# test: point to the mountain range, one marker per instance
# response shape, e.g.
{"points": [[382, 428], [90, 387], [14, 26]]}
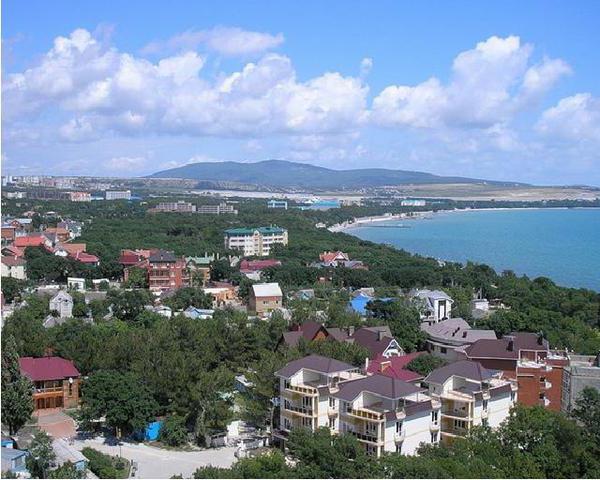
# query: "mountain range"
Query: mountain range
{"points": [[284, 174]]}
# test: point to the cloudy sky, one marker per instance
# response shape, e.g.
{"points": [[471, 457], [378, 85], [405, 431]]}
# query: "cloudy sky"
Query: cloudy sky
{"points": [[509, 91]]}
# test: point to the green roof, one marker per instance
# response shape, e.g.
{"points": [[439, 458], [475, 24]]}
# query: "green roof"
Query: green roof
{"points": [[250, 231]]}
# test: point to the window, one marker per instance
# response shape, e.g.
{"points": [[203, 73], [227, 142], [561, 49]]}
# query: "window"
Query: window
{"points": [[332, 423], [460, 424], [331, 402], [512, 396], [434, 437], [542, 395], [484, 422], [70, 389], [485, 404], [398, 448], [307, 422], [443, 350], [542, 379], [434, 417], [287, 424], [371, 450], [398, 427]]}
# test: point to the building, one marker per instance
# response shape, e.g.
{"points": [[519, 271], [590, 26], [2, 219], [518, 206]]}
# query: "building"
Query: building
{"points": [[253, 268], [387, 415], [526, 357], [13, 461], [32, 241], [379, 341], [434, 305], [80, 196], [74, 228], [14, 267], [255, 241], [583, 371], [333, 259], [277, 204], [470, 395], [117, 195], [413, 202], [64, 453], [198, 313], [311, 331], [166, 271], [76, 283], [84, 257], [446, 338], [394, 366], [222, 295], [306, 388], [8, 234], [62, 303], [219, 209], [180, 207], [265, 297], [56, 381], [60, 234]]}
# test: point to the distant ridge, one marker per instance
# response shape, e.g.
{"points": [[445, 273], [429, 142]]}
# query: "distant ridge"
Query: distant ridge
{"points": [[282, 174]]}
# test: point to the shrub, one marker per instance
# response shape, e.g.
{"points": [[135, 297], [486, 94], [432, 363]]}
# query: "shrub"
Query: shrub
{"points": [[173, 431]]}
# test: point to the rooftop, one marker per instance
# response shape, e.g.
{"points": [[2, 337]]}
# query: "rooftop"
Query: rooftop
{"points": [[267, 290], [464, 369], [381, 385], [47, 368], [316, 363]]}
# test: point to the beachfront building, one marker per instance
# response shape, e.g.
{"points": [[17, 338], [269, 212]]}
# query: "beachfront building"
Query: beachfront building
{"points": [[447, 339], [434, 305], [470, 395], [255, 241]]}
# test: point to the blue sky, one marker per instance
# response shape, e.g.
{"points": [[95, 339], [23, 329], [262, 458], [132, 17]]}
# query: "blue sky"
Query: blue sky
{"points": [[504, 90]]}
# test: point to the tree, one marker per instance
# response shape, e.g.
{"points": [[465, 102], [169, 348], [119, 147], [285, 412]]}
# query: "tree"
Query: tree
{"points": [[188, 296], [122, 398], [66, 470], [136, 278], [220, 269], [425, 364], [128, 304], [173, 431], [12, 288], [41, 455], [587, 411], [17, 397], [403, 320]]}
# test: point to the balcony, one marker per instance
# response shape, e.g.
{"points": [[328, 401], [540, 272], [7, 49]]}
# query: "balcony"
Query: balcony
{"points": [[450, 412], [434, 427], [365, 414], [49, 390], [304, 390], [364, 437], [455, 432], [306, 411], [332, 411]]}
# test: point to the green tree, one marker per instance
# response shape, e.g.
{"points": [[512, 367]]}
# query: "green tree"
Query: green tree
{"points": [[66, 470], [136, 278], [188, 296], [587, 411], [128, 304], [173, 431], [122, 398], [12, 288], [220, 270], [403, 320], [17, 399], [425, 364], [41, 455]]}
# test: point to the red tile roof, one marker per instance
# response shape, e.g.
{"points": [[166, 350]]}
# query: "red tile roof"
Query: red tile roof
{"points": [[84, 257], [14, 251], [331, 256], [29, 241], [394, 367], [13, 261], [256, 265], [47, 368]]}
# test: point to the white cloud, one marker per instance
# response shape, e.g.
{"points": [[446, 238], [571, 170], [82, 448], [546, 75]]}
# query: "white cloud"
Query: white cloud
{"points": [[488, 85], [573, 118], [229, 41], [366, 64], [126, 164]]}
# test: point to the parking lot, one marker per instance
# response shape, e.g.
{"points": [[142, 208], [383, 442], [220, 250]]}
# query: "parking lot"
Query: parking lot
{"points": [[155, 462]]}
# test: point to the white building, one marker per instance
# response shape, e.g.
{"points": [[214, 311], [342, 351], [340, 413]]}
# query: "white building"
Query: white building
{"points": [[434, 305], [75, 283], [470, 395], [62, 302], [413, 203], [447, 338], [118, 195], [14, 267], [384, 414], [255, 241]]}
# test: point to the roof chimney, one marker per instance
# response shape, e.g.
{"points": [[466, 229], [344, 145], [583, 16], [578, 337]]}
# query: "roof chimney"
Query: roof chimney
{"points": [[511, 345], [379, 335], [540, 338], [366, 364]]}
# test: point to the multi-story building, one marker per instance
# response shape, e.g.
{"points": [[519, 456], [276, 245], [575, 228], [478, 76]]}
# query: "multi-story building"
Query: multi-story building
{"points": [[526, 357], [62, 303], [80, 196], [180, 206], [14, 267], [434, 305], [470, 395], [583, 371], [387, 415], [166, 271], [255, 241], [413, 203], [384, 414], [277, 204], [55, 379], [220, 209], [117, 195], [264, 298]]}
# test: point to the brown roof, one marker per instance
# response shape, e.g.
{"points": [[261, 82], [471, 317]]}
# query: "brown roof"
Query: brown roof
{"points": [[368, 337], [502, 347], [382, 385], [316, 363], [464, 368], [308, 331], [13, 261]]}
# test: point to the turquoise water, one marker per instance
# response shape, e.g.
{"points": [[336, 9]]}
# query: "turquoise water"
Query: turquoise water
{"points": [[562, 244]]}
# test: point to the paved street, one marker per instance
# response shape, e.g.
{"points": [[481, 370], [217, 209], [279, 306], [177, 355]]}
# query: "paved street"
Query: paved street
{"points": [[158, 463]]}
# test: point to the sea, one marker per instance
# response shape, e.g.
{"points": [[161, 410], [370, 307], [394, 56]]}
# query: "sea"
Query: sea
{"points": [[561, 244]]}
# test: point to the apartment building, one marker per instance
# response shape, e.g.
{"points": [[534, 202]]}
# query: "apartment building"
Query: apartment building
{"points": [[219, 209], [526, 357], [166, 271], [470, 395], [255, 241], [180, 207], [117, 195], [383, 413], [306, 389], [387, 415]]}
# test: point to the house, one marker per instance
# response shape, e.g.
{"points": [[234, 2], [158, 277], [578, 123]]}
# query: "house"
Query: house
{"points": [[13, 461], [583, 371], [86, 258], [480, 308], [162, 310], [378, 340], [222, 295], [166, 271], [199, 268], [446, 338], [61, 234], [434, 305], [277, 204], [198, 313], [306, 388], [258, 265], [55, 379], [62, 303], [304, 294], [470, 395], [14, 267], [265, 297], [75, 283], [255, 241], [387, 415], [66, 249], [12, 251], [526, 357], [333, 259], [394, 366], [311, 331], [64, 453], [32, 241], [8, 234], [74, 228]]}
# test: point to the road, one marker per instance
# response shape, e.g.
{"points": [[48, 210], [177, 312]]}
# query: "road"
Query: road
{"points": [[159, 463]]}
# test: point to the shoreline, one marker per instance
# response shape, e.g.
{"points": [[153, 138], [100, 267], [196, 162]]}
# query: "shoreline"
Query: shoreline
{"points": [[365, 221]]}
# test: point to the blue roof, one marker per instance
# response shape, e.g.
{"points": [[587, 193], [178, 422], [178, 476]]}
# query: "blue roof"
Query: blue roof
{"points": [[359, 303], [12, 453]]}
